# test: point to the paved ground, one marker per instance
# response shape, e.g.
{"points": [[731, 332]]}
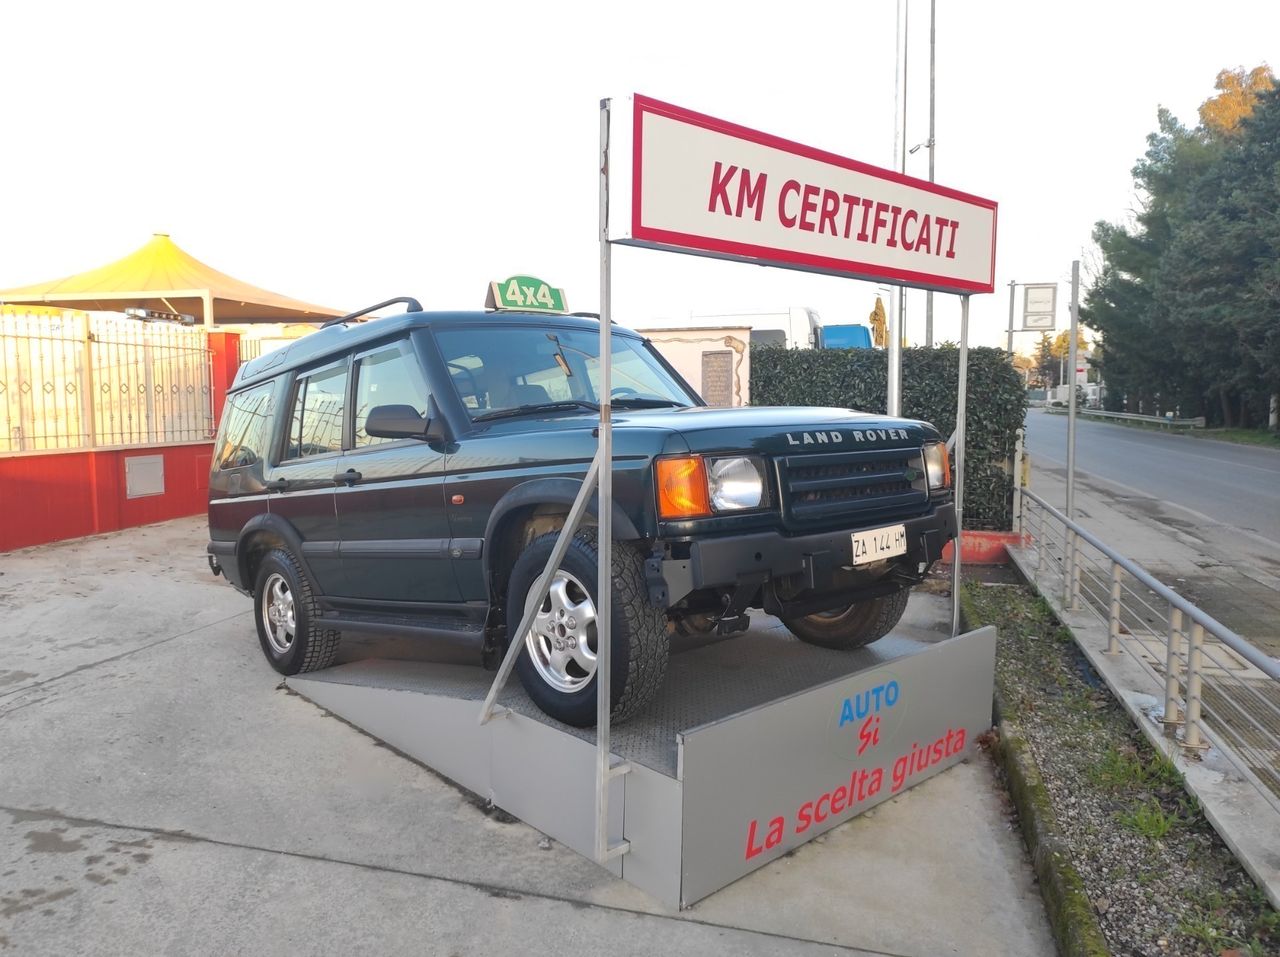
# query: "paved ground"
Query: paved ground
{"points": [[161, 794], [1232, 572]]}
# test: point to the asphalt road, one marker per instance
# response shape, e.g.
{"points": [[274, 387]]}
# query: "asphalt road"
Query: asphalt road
{"points": [[1237, 485]]}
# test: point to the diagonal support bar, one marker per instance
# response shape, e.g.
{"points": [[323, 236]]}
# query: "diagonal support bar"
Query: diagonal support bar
{"points": [[541, 587]]}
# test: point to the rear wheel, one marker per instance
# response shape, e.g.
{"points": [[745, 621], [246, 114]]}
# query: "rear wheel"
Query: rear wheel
{"points": [[288, 617], [853, 626], [557, 664]]}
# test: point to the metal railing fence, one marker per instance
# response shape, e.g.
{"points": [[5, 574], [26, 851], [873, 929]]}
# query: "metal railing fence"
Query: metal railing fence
{"points": [[76, 381], [1216, 687]]}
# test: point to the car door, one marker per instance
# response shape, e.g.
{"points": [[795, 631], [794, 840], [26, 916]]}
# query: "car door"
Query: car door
{"points": [[300, 484], [390, 492]]}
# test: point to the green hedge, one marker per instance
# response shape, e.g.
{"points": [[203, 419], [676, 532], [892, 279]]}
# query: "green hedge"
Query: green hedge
{"points": [[855, 379]]}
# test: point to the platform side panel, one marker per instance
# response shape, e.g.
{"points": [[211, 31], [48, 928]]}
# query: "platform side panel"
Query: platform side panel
{"points": [[651, 822], [763, 782], [547, 778], [440, 732]]}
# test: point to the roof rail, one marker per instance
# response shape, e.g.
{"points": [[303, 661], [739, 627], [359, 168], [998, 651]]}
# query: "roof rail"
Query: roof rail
{"points": [[586, 315], [413, 304]]}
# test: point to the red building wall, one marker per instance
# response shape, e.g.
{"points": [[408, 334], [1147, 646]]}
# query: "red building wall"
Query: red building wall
{"points": [[46, 498]]}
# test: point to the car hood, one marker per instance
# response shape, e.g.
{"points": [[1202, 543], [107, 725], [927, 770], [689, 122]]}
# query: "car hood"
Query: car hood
{"points": [[781, 430]]}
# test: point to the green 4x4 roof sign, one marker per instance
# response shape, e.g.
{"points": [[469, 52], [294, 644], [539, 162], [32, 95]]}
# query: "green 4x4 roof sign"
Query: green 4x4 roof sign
{"points": [[527, 293]]}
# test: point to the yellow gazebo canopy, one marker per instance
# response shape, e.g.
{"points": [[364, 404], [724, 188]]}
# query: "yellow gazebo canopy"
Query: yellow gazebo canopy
{"points": [[163, 277]]}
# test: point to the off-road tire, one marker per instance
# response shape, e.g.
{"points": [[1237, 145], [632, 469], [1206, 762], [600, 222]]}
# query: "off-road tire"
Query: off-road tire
{"points": [[639, 651], [313, 647], [856, 627]]}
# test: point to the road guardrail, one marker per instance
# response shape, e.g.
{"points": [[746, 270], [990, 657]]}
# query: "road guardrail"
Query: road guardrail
{"points": [[1217, 688], [1163, 421]]}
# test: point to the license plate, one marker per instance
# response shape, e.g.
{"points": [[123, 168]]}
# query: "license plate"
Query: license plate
{"points": [[879, 543]]}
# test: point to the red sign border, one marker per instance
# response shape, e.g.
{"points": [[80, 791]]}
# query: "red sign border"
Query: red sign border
{"points": [[727, 249]]}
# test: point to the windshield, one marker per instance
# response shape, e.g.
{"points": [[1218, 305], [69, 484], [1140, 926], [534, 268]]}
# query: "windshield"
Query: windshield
{"points": [[505, 368]]}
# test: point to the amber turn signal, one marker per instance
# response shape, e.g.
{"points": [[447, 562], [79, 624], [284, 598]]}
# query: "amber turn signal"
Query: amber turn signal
{"points": [[682, 488]]}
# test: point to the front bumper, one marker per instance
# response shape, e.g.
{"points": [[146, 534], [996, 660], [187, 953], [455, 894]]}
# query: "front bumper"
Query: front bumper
{"points": [[726, 562]]}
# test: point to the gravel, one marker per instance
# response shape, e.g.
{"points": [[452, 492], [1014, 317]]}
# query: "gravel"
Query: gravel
{"points": [[1160, 879]]}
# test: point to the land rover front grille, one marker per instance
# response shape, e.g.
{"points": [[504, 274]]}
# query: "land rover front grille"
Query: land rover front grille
{"points": [[864, 484]]}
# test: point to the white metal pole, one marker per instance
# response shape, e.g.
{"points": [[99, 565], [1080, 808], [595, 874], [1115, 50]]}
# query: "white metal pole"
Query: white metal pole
{"points": [[897, 305], [1012, 285], [933, 17], [962, 399], [604, 521], [1071, 432]]}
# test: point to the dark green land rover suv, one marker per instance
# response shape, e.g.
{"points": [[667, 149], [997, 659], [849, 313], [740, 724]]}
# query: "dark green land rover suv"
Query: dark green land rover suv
{"points": [[408, 475]]}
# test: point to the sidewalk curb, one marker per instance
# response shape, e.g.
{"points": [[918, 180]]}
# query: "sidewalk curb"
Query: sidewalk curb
{"points": [[1071, 919]]}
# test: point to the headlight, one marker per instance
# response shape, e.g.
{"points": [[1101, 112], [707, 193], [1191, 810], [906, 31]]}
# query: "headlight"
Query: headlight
{"points": [[735, 483], [937, 465]]}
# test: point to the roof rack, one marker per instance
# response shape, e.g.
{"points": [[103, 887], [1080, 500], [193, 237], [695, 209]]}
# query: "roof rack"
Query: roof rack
{"points": [[413, 304]]}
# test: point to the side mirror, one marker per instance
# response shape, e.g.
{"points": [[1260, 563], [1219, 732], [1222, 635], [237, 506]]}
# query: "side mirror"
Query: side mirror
{"points": [[437, 429], [395, 422]]}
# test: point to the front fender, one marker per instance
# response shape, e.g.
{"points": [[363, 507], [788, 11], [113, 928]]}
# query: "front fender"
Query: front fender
{"points": [[554, 491]]}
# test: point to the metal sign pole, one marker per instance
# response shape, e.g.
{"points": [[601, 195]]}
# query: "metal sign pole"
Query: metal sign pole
{"points": [[604, 542], [962, 398], [1071, 433], [1012, 286]]}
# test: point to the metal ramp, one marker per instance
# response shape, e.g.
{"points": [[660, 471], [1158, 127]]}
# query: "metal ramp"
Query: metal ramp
{"points": [[754, 746]]}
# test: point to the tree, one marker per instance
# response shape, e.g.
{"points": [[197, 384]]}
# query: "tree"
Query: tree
{"points": [[1217, 284], [1237, 98], [1046, 367], [1061, 347], [1186, 296]]}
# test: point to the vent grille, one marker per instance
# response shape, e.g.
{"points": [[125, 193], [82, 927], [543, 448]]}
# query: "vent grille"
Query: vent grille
{"points": [[864, 484]]}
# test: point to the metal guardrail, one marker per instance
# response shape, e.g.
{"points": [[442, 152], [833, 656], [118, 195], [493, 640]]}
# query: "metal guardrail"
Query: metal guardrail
{"points": [[1217, 688], [1197, 423]]}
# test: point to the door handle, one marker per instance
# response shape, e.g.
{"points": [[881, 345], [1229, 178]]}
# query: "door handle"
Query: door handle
{"points": [[277, 485], [349, 477]]}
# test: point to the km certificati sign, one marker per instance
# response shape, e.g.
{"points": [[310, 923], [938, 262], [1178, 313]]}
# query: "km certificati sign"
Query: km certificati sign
{"points": [[705, 186]]}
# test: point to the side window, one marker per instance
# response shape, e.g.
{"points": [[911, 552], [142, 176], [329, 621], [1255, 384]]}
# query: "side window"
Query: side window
{"points": [[246, 426], [316, 425], [386, 377]]}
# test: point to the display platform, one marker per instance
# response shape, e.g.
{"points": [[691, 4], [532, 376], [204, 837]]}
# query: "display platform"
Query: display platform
{"points": [[755, 745]]}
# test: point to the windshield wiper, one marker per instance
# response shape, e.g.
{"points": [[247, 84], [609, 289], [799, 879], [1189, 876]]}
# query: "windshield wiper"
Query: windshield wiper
{"points": [[644, 402], [536, 407]]}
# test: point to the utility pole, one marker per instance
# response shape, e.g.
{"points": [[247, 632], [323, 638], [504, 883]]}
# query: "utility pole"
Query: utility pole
{"points": [[933, 16], [1012, 284], [898, 309]]}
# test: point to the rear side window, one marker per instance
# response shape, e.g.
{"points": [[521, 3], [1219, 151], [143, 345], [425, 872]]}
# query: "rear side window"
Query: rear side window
{"points": [[315, 426], [386, 377], [246, 428]]}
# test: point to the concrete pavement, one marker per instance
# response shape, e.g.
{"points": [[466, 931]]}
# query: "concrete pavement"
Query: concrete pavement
{"points": [[160, 793]]}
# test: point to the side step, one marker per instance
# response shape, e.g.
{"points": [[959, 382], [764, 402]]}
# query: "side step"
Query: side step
{"points": [[448, 627]]}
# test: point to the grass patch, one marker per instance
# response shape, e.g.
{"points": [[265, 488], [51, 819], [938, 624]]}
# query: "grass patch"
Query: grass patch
{"points": [[1263, 437], [1124, 769], [1158, 877], [1149, 819]]}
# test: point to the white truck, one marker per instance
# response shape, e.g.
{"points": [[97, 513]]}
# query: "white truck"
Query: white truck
{"points": [[796, 328]]}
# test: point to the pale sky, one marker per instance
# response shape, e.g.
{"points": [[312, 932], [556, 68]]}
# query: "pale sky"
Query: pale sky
{"points": [[344, 153]]}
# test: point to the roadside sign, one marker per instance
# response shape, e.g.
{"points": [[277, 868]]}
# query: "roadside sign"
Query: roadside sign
{"points": [[527, 293], [704, 186], [1039, 305]]}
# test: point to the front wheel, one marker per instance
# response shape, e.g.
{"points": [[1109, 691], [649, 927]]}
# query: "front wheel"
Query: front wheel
{"points": [[853, 626], [557, 664]]}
